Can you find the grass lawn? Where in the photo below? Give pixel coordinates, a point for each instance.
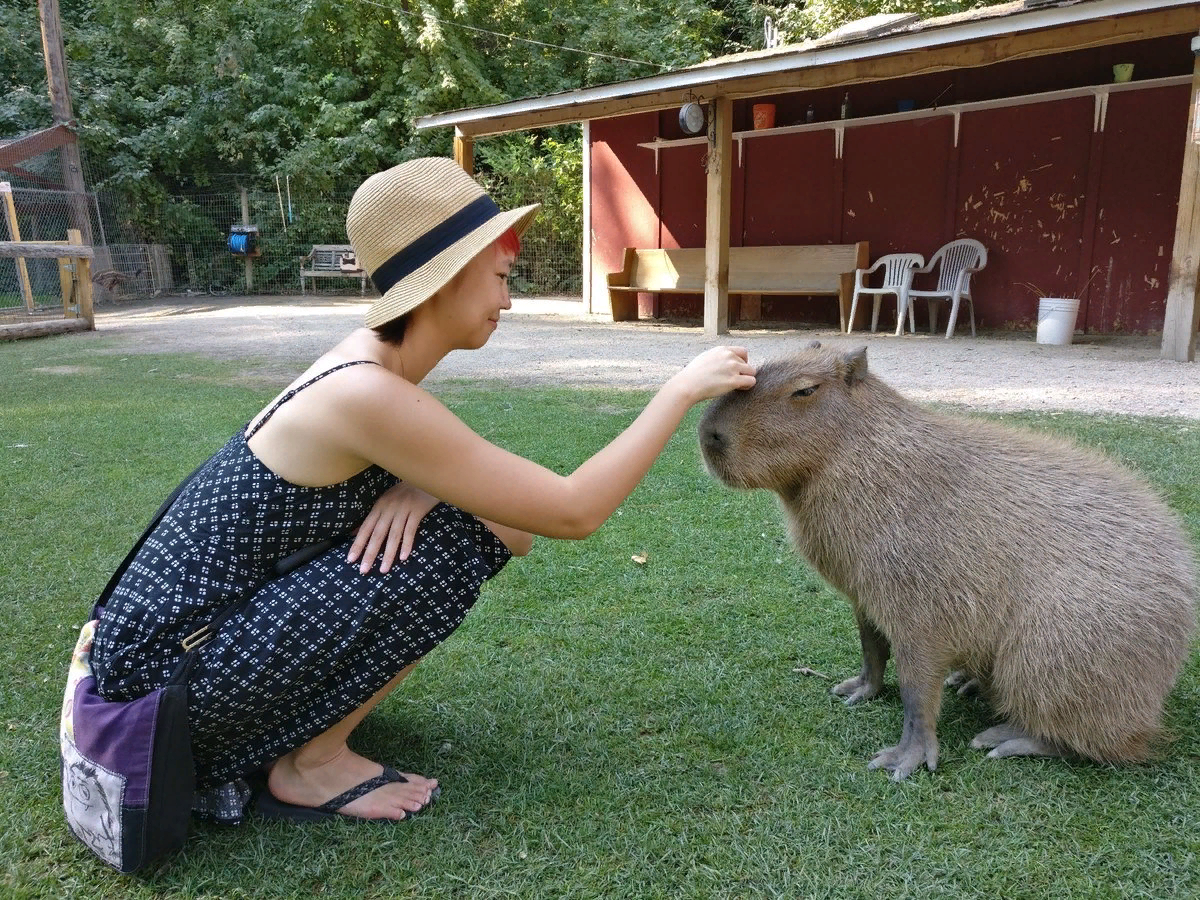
(602, 728)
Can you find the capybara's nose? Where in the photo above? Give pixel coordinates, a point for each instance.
(712, 439)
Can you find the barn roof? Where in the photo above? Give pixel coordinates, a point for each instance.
(873, 49)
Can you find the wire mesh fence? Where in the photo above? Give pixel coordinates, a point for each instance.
(34, 288)
(186, 243)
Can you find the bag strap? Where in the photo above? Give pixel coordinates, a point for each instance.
(200, 636)
(162, 511)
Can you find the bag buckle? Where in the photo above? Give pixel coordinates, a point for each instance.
(196, 638)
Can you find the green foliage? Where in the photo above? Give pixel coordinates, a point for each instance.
(520, 169)
(813, 18)
(24, 102)
(172, 94)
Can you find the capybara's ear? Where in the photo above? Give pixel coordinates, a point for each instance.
(854, 365)
(812, 345)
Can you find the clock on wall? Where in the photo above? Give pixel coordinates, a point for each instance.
(692, 119)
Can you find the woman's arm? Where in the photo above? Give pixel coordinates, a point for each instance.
(402, 428)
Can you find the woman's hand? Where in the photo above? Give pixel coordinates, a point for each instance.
(716, 371)
(390, 526)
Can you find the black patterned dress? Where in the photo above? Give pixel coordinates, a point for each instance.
(303, 650)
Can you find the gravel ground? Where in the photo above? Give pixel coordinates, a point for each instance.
(553, 341)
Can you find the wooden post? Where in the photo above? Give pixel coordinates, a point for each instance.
(83, 290)
(1183, 291)
(1091, 220)
(716, 217)
(82, 282)
(60, 104)
(14, 231)
(586, 280)
(66, 277)
(464, 151)
(249, 258)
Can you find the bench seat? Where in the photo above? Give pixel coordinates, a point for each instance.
(810, 270)
(332, 261)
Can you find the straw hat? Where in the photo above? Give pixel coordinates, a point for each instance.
(415, 226)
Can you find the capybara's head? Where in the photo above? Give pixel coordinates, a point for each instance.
(776, 434)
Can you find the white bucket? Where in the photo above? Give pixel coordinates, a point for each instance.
(1056, 320)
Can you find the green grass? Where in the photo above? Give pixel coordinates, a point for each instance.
(601, 728)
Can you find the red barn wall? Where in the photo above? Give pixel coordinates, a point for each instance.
(1137, 196)
(1061, 206)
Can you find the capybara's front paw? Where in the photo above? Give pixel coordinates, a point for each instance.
(906, 757)
(964, 683)
(855, 689)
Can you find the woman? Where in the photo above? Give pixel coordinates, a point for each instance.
(355, 450)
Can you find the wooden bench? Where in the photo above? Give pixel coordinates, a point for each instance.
(332, 261)
(804, 270)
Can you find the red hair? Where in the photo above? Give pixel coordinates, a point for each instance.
(509, 242)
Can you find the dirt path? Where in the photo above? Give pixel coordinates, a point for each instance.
(547, 341)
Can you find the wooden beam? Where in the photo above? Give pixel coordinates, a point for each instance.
(249, 257)
(14, 231)
(66, 278)
(35, 144)
(82, 284)
(43, 250)
(1183, 290)
(60, 104)
(19, 330)
(464, 152)
(719, 166)
(984, 52)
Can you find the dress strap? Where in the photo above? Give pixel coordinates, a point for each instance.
(294, 391)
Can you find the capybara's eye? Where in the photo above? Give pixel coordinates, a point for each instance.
(804, 392)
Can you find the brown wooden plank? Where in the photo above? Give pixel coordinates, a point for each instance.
(1182, 316)
(22, 330)
(31, 145)
(66, 277)
(43, 250)
(14, 231)
(716, 217)
(464, 152)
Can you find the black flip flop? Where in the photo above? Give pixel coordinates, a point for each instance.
(269, 806)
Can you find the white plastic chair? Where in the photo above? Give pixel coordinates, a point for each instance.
(956, 263)
(897, 279)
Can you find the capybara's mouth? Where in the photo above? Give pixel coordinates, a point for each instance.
(717, 465)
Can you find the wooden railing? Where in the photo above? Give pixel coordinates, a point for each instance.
(75, 278)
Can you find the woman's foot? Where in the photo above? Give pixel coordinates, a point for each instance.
(297, 779)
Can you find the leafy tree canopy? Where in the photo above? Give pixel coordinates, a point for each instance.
(171, 93)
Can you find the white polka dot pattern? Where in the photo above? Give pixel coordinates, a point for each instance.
(303, 650)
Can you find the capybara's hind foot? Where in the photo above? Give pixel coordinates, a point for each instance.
(1012, 740)
(855, 689)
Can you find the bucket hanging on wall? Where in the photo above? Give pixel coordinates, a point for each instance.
(1056, 319)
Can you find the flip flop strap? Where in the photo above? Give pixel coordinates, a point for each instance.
(388, 776)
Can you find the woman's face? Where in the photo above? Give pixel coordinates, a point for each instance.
(468, 308)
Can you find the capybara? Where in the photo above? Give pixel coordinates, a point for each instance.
(1048, 573)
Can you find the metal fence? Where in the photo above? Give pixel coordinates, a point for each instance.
(182, 245)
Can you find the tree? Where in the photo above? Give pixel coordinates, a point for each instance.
(814, 18)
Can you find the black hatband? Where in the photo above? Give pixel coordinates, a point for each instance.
(434, 241)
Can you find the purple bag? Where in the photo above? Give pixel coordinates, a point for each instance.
(127, 768)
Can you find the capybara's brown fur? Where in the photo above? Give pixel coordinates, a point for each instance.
(1048, 572)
